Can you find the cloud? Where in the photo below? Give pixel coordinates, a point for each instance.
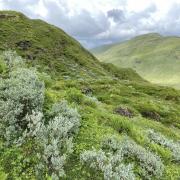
(98, 22)
(116, 14)
(171, 23)
(85, 25)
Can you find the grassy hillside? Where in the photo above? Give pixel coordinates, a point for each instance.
(111, 103)
(154, 57)
(48, 47)
(45, 45)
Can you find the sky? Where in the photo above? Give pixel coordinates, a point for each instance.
(98, 22)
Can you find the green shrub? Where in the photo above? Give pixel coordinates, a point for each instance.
(46, 79)
(74, 96)
(121, 125)
(91, 101)
(3, 66)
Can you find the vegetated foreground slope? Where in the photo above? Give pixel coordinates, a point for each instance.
(154, 57)
(114, 126)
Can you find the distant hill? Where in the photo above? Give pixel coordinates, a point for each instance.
(155, 57)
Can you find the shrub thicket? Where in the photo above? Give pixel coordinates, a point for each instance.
(158, 138)
(113, 155)
(20, 95)
(43, 143)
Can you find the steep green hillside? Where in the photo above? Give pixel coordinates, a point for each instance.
(44, 44)
(154, 57)
(96, 122)
(50, 48)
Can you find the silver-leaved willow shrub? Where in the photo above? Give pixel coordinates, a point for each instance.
(173, 146)
(12, 60)
(110, 160)
(109, 164)
(22, 120)
(20, 94)
(55, 140)
(150, 163)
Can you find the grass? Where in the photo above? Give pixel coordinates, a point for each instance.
(110, 87)
(45, 45)
(99, 119)
(50, 49)
(150, 55)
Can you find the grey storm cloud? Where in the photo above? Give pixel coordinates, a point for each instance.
(82, 24)
(94, 29)
(85, 25)
(116, 14)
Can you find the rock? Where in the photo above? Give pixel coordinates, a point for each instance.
(6, 16)
(124, 112)
(87, 91)
(2, 16)
(24, 45)
(30, 57)
(151, 115)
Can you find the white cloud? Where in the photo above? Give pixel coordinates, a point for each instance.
(103, 21)
(39, 9)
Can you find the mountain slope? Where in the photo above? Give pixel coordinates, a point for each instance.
(44, 44)
(154, 57)
(102, 101)
(50, 48)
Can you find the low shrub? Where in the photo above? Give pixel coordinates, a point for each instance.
(34, 147)
(55, 140)
(12, 60)
(110, 159)
(158, 138)
(111, 165)
(20, 94)
(74, 96)
(150, 163)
